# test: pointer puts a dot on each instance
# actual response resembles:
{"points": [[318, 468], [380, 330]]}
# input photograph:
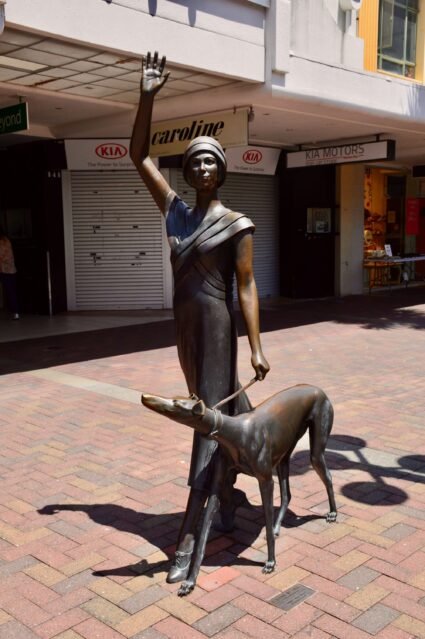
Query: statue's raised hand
{"points": [[153, 76]]}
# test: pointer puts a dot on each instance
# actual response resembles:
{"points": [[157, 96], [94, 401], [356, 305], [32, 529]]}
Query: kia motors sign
{"points": [[342, 154], [98, 155], [252, 159]]}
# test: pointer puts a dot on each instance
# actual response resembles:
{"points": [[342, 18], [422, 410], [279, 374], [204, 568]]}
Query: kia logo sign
{"points": [[252, 156], [111, 151]]}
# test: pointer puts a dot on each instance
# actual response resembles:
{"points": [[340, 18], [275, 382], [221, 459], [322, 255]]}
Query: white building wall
{"points": [[221, 36], [321, 31]]}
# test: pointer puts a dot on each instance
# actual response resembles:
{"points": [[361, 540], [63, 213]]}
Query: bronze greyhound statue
{"points": [[257, 442]]}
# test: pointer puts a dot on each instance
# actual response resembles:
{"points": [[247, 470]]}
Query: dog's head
{"points": [[184, 410]]}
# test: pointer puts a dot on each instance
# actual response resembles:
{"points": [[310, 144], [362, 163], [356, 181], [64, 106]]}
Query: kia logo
{"points": [[252, 156], [111, 151]]}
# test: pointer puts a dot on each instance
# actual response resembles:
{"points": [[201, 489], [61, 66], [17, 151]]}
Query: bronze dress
{"points": [[202, 257]]}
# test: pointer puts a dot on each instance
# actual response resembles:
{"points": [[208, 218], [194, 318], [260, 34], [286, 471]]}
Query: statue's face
{"points": [[202, 172]]}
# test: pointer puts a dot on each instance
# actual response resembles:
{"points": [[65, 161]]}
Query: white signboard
{"points": [[172, 136], [167, 138], [343, 154], [98, 155], [252, 159]]}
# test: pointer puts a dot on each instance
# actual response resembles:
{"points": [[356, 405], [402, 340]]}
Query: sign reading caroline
{"points": [[252, 159], [343, 154], [172, 136]]}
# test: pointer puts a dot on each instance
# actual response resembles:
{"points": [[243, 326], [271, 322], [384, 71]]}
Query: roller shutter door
{"points": [[257, 197], [117, 237]]}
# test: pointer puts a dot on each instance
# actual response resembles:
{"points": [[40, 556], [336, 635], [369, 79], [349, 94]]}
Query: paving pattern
{"points": [[94, 486]]}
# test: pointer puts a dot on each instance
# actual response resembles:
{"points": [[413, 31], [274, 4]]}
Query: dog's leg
{"points": [[319, 433], [285, 492], [266, 489], [210, 510]]}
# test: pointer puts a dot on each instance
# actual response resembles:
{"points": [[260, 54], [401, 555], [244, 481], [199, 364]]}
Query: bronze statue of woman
{"points": [[209, 244]]}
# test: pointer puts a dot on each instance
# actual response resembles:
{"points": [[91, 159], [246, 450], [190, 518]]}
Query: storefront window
{"points": [[397, 36], [384, 210]]}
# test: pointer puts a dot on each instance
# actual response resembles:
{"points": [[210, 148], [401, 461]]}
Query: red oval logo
{"points": [[111, 151], [252, 156]]}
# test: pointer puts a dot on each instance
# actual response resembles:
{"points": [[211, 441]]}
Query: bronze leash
{"points": [[236, 393]]}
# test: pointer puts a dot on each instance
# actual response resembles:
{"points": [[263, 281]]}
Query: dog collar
{"points": [[218, 423]]}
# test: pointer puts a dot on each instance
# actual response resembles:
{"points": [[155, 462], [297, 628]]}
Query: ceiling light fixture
{"points": [[20, 65]]}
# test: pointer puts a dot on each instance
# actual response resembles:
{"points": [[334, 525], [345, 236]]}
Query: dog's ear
{"points": [[193, 396], [199, 409]]}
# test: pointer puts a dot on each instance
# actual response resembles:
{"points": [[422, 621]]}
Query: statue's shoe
{"points": [[180, 567]]}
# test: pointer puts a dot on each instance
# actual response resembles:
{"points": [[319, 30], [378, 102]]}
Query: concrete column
{"points": [[349, 267], [278, 36]]}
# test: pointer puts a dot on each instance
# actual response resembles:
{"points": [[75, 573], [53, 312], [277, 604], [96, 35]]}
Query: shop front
{"points": [[325, 220], [117, 253], [394, 238], [31, 215]]}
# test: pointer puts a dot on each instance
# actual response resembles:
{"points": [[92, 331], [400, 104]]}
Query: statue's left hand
{"points": [[260, 365], [153, 76]]}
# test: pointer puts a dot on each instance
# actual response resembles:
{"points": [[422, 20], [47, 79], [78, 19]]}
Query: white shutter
{"points": [[257, 197], [117, 237]]}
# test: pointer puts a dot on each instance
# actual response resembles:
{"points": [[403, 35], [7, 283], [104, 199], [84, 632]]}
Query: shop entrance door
{"points": [[308, 232]]}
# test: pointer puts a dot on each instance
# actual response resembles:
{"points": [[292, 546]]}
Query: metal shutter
{"points": [[257, 197], [117, 236]]}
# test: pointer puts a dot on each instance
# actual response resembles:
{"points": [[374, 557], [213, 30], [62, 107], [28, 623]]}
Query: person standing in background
{"points": [[8, 275]]}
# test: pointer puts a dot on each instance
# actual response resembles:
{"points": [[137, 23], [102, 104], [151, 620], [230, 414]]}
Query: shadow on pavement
{"points": [[161, 530], [377, 311], [155, 529], [376, 491]]}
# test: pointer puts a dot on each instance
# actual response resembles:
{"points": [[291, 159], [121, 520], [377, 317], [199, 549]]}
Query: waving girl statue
{"points": [[209, 245]]}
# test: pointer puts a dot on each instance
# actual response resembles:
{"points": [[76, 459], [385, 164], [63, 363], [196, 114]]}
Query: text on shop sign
{"points": [[14, 118], [343, 154]]}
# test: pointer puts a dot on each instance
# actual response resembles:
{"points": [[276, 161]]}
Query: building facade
{"points": [[319, 103]]}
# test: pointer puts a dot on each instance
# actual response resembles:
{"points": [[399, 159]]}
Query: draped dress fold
{"points": [[203, 262]]}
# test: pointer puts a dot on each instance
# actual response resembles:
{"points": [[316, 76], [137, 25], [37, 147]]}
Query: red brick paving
{"points": [[93, 488]]}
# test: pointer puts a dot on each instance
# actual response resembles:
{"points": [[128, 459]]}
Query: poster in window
{"points": [[412, 215], [318, 220]]}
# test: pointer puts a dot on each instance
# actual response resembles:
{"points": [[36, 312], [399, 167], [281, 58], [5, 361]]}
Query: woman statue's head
{"points": [[203, 147]]}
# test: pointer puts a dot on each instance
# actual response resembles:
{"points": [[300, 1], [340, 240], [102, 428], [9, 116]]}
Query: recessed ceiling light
{"points": [[21, 65]]}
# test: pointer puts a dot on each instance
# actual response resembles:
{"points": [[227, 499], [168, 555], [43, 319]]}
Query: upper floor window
{"points": [[397, 36]]}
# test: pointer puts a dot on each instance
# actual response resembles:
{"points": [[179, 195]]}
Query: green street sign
{"points": [[14, 118]]}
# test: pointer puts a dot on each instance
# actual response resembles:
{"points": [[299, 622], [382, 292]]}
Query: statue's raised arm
{"points": [[153, 79]]}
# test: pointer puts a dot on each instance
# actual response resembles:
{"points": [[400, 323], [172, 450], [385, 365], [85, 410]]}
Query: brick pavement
{"points": [[94, 486]]}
